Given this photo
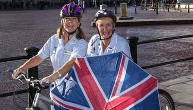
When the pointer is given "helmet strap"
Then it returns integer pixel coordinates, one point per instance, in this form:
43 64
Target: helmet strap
70 33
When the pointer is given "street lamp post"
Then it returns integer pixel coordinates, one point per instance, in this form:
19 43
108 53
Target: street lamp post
95 3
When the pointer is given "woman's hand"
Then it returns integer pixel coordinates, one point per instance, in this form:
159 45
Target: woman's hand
16 72
48 79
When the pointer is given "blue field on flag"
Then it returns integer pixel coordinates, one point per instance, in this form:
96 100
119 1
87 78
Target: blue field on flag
109 82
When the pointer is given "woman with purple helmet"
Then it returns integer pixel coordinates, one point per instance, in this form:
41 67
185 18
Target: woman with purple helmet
62 48
107 41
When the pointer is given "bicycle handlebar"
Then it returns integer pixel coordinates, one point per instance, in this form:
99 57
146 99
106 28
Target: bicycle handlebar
34 83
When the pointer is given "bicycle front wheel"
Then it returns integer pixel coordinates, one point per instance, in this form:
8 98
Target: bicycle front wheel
166 101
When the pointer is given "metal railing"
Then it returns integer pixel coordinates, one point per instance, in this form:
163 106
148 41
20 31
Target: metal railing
166 7
133 42
182 6
31 73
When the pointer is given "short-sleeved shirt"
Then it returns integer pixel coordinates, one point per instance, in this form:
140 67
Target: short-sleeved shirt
117 44
60 53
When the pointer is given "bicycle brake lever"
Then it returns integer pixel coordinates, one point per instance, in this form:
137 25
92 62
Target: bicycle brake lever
35 83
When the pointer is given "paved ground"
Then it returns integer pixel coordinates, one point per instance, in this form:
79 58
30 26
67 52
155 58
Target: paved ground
20 29
181 91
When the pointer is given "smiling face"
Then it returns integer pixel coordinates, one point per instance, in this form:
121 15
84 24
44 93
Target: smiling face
70 24
106 27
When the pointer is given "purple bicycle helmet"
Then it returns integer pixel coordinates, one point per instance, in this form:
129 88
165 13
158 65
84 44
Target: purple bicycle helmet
105 13
71 10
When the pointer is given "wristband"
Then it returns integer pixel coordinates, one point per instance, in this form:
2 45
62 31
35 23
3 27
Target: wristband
58 74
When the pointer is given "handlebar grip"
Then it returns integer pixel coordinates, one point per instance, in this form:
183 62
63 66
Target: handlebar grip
46 84
10 70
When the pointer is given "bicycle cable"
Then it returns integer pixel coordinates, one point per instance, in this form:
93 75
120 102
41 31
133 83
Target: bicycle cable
15 98
15 93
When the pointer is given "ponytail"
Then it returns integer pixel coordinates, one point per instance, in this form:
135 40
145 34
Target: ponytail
80 34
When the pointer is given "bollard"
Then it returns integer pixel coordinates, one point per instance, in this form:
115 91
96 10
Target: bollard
31 73
123 9
188 7
133 47
103 6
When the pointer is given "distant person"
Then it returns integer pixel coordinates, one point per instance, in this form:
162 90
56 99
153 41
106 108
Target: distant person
179 2
83 6
174 4
80 3
107 41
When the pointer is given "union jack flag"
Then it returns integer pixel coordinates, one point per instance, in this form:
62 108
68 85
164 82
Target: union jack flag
109 82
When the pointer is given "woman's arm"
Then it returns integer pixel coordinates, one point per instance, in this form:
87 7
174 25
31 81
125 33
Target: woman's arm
62 71
34 61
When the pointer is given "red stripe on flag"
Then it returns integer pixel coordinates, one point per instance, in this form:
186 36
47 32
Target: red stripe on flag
64 105
121 102
133 96
88 83
119 76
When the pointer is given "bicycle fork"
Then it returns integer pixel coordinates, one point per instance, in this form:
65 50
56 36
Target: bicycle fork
38 104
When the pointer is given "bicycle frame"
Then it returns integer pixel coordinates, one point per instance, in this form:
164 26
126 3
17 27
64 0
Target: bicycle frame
37 102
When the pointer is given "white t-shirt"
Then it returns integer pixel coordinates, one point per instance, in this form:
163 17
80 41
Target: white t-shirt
60 53
117 44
